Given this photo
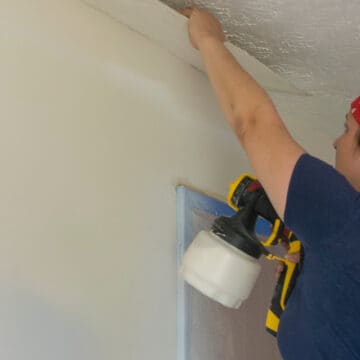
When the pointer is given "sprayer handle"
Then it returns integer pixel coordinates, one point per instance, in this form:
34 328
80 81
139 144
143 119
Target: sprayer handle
283 290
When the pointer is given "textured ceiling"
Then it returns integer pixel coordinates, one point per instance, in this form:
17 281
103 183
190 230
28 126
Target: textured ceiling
315 44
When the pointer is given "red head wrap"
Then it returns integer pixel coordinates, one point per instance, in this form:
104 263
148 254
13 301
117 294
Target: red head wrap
355 109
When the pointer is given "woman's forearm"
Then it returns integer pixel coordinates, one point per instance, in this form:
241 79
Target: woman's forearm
240 96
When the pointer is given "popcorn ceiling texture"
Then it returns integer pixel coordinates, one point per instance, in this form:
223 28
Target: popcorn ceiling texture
312 43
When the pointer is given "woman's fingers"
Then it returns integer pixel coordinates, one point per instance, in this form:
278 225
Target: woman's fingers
187 11
295 258
279 269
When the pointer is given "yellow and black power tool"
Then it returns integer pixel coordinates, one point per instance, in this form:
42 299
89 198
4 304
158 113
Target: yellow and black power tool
222 263
247 196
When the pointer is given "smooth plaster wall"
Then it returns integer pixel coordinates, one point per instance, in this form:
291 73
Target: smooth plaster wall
98 125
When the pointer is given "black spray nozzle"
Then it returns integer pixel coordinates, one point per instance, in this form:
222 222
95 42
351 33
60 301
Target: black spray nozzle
239 231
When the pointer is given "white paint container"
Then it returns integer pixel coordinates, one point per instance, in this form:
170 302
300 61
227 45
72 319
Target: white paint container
219 270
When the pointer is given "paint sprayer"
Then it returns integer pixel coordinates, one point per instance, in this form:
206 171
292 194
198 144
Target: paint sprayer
223 263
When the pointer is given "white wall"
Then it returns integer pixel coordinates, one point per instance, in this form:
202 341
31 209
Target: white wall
98 125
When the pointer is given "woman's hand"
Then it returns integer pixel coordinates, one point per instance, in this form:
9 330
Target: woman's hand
295 258
202 26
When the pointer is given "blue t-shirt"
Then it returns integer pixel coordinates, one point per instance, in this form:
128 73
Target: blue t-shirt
322 317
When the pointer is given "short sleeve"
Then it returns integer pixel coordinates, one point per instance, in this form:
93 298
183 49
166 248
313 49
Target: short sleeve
320 201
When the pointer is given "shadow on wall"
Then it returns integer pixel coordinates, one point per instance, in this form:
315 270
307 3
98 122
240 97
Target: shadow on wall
32 328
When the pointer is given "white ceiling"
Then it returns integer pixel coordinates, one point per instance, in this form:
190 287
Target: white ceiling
315 44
